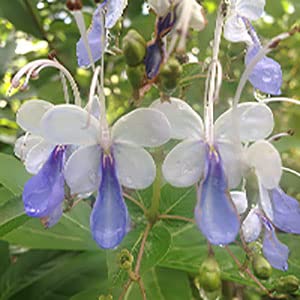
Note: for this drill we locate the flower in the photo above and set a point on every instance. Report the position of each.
(94, 38)
(267, 74)
(43, 193)
(219, 165)
(107, 159)
(175, 18)
(235, 28)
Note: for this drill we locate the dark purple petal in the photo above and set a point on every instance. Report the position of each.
(45, 191)
(109, 219)
(215, 213)
(165, 24)
(266, 75)
(274, 251)
(154, 58)
(95, 33)
(286, 212)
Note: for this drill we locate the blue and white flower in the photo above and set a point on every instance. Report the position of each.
(106, 160)
(218, 166)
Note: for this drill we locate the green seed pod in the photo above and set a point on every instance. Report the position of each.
(210, 275)
(287, 284)
(134, 48)
(170, 74)
(261, 267)
(136, 76)
(125, 260)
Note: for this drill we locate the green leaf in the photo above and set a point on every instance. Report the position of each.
(4, 256)
(71, 233)
(5, 195)
(12, 215)
(23, 15)
(12, 174)
(162, 284)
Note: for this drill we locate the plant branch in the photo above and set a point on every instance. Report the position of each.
(248, 271)
(136, 202)
(174, 217)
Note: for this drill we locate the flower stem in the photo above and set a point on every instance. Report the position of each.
(214, 79)
(178, 218)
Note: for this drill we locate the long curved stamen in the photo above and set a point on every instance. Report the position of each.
(35, 67)
(280, 99)
(291, 171)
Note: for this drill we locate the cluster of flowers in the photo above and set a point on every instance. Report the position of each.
(67, 145)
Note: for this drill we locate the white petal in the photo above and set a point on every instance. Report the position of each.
(70, 124)
(24, 144)
(252, 10)
(184, 121)
(160, 7)
(198, 20)
(94, 107)
(135, 166)
(265, 159)
(265, 201)
(184, 165)
(37, 156)
(240, 201)
(255, 122)
(232, 162)
(114, 12)
(235, 30)
(251, 226)
(30, 113)
(82, 170)
(144, 126)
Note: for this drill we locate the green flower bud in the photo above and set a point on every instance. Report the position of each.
(261, 267)
(210, 275)
(287, 284)
(134, 48)
(170, 74)
(125, 259)
(136, 76)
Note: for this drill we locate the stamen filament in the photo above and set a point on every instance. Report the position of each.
(291, 171)
(281, 99)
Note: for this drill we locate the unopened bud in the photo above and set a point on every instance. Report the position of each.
(170, 74)
(74, 5)
(136, 76)
(261, 267)
(287, 284)
(134, 48)
(125, 259)
(210, 275)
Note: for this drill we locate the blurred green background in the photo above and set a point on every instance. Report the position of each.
(70, 266)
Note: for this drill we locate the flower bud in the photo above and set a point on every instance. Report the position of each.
(287, 284)
(125, 259)
(170, 74)
(210, 275)
(134, 48)
(136, 75)
(261, 267)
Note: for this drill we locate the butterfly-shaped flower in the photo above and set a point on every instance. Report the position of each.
(44, 193)
(107, 159)
(105, 17)
(219, 166)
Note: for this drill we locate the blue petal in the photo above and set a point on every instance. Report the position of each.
(45, 191)
(266, 75)
(115, 10)
(165, 24)
(154, 58)
(286, 212)
(274, 251)
(109, 218)
(94, 34)
(215, 213)
(54, 216)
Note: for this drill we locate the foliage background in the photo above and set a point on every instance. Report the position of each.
(64, 262)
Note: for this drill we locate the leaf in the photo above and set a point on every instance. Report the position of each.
(12, 174)
(4, 256)
(162, 284)
(12, 215)
(22, 14)
(5, 195)
(71, 233)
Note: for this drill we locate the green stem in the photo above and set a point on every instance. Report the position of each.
(153, 211)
